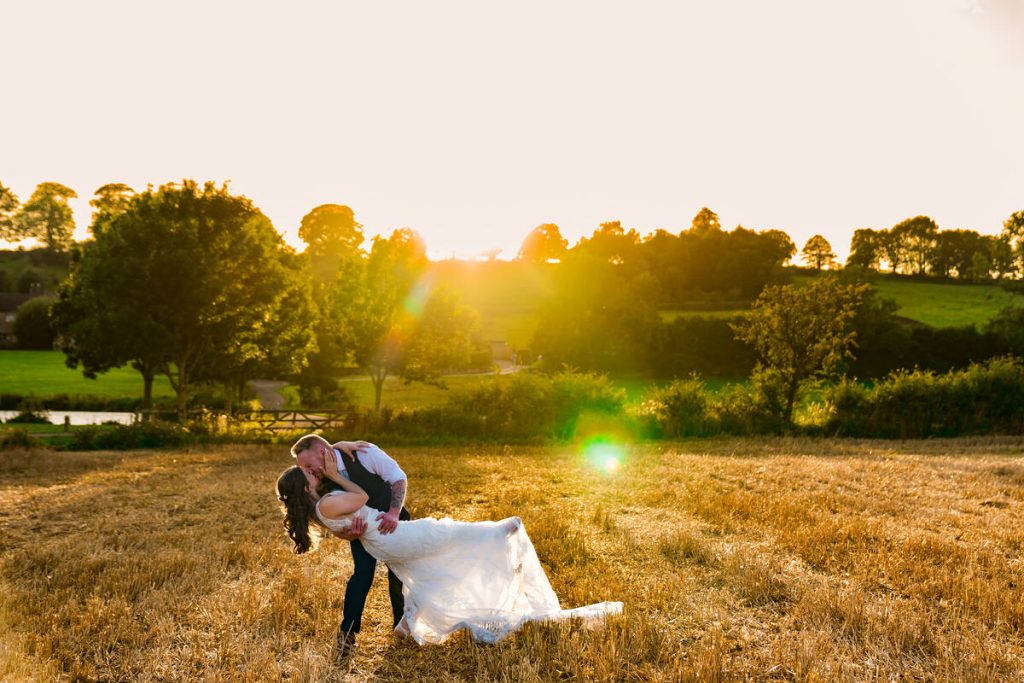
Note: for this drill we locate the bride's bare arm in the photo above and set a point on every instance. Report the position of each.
(335, 507)
(353, 498)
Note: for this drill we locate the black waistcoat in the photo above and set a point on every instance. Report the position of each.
(376, 488)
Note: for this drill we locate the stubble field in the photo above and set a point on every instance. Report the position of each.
(736, 560)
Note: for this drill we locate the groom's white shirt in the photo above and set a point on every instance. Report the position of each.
(374, 460)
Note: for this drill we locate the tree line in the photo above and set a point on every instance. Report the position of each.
(193, 282)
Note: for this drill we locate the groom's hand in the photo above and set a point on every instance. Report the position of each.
(387, 521)
(349, 448)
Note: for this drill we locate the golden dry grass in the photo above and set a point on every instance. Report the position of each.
(736, 560)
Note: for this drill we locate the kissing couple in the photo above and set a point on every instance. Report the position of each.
(443, 575)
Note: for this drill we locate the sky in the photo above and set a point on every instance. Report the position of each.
(474, 122)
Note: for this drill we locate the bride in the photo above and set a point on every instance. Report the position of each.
(481, 576)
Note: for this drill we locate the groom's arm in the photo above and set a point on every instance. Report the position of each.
(389, 520)
(384, 466)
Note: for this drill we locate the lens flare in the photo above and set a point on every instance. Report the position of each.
(603, 454)
(416, 301)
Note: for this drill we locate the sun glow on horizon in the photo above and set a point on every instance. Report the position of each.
(801, 116)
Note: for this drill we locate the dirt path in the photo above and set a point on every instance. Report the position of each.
(267, 392)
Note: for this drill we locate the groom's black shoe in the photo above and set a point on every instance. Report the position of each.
(346, 643)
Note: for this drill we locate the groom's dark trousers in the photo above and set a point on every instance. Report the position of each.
(359, 586)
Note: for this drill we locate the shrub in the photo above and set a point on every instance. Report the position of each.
(16, 438)
(126, 437)
(680, 409)
(29, 416)
(512, 407)
(846, 403)
(984, 398)
(32, 326)
(743, 410)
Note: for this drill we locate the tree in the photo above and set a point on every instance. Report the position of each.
(32, 327)
(610, 242)
(955, 251)
(783, 243)
(891, 249)
(173, 284)
(1013, 234)
(442, 338)
(799, 334)
(817, 252)
(332, 235)
(401, 325)
(865, 249)
(334, 258)
(47, 217)
(545, 242)
(600, 316)
(108, 201)
(916, 238)
(1000, 255)
(8, 212)
(278, 348)
(705, 220)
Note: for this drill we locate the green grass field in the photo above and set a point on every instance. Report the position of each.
(945, 304)
(43, 373)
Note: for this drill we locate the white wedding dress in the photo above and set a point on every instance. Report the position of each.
(481, 576)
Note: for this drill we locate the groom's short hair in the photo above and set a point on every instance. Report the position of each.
(308, 441)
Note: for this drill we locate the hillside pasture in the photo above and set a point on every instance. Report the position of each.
(946, 304)
(43, 373)
(771, 560)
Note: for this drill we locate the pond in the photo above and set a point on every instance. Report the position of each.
(78, 417)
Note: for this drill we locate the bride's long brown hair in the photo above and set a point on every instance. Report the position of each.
(299, 508)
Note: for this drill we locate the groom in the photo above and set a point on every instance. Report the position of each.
(386, 484)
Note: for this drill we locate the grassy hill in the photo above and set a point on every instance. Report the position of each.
(938, 304)
(946, 304)
(43, 373)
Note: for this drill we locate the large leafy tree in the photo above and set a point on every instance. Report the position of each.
(334, 261)
(402, 326)
(109, 201)
(783, 248)
(916, 238)
(545, 242)
(1013, 234)
(279, 347)
(865, 249)
(386, 302)
(600, 316)
(8, 212)
(706, 219)
(956, 251)
(333, 237)
(799, 334)
(174, 284)
(817, 252)
(48, 217)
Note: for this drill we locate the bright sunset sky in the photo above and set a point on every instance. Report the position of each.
(473, 122)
